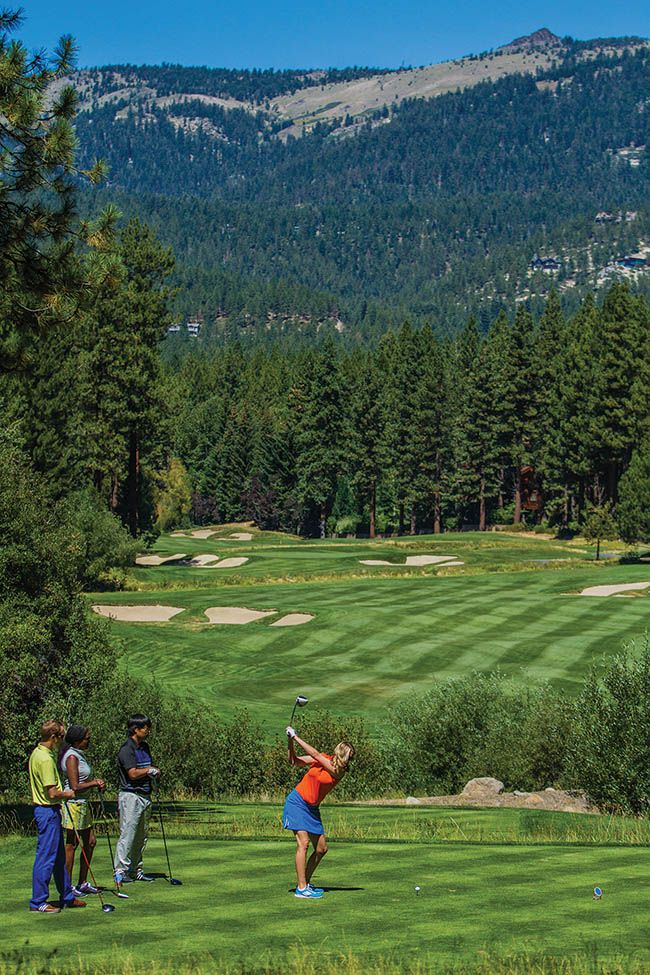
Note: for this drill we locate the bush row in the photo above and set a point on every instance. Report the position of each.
(529, 737)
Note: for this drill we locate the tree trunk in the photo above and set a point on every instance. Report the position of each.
(597, 550)
(612, 482)
(437, 514)
(502, 477)
(414, 520)
(517, 518)
(481, 507)
(400, 527)
(133, 485)
(323, 519)
(566, 509)
(373, 510)
(115, 493)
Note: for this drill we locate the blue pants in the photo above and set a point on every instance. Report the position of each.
(50, 857)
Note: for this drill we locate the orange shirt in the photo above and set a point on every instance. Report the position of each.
(316, 783)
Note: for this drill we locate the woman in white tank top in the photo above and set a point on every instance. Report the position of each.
(77, 816)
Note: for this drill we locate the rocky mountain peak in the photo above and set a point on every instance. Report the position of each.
(541, 38)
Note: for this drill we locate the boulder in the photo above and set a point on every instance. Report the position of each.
(482, 788)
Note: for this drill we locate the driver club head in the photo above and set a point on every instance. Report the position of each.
(175, 882)
(301, 701)
(108, 908)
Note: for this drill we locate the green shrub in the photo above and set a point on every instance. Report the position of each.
(198, 752)
(100, 542)
(474, 726)
(609, 750)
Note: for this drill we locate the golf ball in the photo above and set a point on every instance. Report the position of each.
(417, 889)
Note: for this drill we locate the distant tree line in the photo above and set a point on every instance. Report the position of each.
(536, 421)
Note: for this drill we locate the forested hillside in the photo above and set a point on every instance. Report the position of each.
(429, 209)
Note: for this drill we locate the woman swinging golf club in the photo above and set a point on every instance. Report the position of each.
(301, 808)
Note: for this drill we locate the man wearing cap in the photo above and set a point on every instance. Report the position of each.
(47, 795)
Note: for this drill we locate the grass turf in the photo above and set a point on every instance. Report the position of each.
(236, 900)
(377, 635)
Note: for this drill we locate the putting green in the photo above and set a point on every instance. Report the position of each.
(374, 638)
(236, 903)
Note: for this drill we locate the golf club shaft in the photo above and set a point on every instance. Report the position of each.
(162, 830)
(83, 854)
(107, 832)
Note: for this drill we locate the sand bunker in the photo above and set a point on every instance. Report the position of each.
(230, 563)
(416, 560)
(242, 536)
(138, 614)
(236, 614)
(158, 559)
(293, 619)
(202, 560)
(198, 533)
(614, 590)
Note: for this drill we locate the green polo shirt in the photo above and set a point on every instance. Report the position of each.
(42, 774)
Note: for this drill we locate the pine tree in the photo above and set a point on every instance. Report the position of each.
(320, 425)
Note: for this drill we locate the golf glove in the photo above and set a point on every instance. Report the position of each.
(290, 732)
(153, 773)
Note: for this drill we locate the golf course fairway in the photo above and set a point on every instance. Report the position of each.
(376, 634)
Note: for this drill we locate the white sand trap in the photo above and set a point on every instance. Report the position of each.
(202, 560)
(236, 614)
(428, 559)
(230, 563)
(416, 560)
(614, 590)
(242, 536)
(446, 564)
(138, 614)
(198, 533)
(158, 559)
(294, 619)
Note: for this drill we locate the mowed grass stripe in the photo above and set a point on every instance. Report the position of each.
(236, 903)
(374, 640)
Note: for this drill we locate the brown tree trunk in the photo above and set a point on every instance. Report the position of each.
(517, 518)
(437, 514)
(481, 507)
(133, 485)
(612, 482)
(115, 492)
(373, 510)
(400, 527)
(414, 520)
(501, 499)
(323, 519)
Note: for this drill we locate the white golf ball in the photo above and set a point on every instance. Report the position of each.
(417, 889)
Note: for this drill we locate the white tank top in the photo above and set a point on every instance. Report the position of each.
(85, 769)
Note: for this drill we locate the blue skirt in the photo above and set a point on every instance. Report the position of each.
(298, 814)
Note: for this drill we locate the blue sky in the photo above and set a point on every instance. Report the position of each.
(329, 33)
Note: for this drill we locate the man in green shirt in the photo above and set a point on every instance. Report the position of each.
(47, 795)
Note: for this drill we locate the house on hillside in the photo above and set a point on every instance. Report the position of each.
(547, 264)
(632, 261)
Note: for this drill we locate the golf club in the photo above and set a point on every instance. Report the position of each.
(116, 892)
(174, 882)
(106, 908)
(300, 702)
